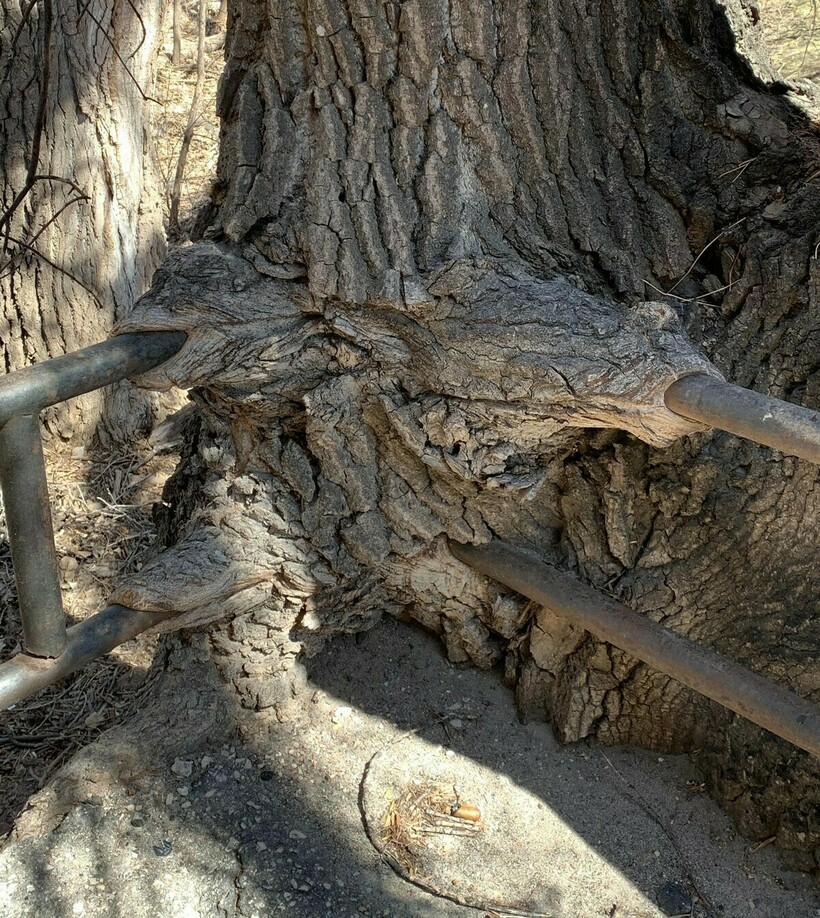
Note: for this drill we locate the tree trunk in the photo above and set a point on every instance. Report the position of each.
(221, 18)
(176, 30)
(80, 208)
(423, 313)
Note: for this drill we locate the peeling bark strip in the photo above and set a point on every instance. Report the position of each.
(431, 239)
(82, 245)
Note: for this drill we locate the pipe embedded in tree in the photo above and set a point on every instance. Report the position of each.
(24, 675)
(25, 495)
(735, 687)
(29, 390)
(790, 428)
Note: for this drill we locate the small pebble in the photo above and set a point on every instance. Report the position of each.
(674, 899)
(138, 822)
(164, 848)
(296, 835)
(183, 767)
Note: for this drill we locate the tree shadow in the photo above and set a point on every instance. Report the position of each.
(197, 801)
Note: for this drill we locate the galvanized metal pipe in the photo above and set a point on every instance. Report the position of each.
(31, 389)
(790, 428)
(24, 675)
(31, 536)
(742, 691)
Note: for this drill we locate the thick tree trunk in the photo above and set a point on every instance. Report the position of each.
(80, 246)
(438, 225)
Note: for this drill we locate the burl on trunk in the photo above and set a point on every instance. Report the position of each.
(423, 308)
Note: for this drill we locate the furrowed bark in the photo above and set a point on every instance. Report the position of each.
(81, 246)
(431, 313)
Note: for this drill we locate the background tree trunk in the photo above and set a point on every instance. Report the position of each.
(83, 243)
(437, 225)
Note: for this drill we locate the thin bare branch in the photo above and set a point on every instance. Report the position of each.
(193, 117)
(23, 20)
(64, 181)
(113, 45)
(4, 269)
(39, 121)
(142, 28)
(64, 271)
(176, 28)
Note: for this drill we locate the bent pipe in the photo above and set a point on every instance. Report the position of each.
(24, 675)
(29, 390)
(23, 394)
(735, 687)
(790, 428)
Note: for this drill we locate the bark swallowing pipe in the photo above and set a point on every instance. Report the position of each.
(790, 428)
(735, 687)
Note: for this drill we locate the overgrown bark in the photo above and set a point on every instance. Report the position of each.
(81, 245)
(438, 228)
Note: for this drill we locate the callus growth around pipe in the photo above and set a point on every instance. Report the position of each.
(789, 428)
(742, 691)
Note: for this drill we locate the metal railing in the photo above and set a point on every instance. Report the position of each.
(735, 687)
(50, 651)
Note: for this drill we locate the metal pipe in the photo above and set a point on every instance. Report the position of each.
(790, 428)
(31, 536)
(742, 691)
(24, 675)
(31, 389)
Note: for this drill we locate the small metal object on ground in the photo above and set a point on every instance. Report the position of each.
(23, 394)
(790, 428)
(735, 687)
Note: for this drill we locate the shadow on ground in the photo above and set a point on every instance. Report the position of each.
(198, 808)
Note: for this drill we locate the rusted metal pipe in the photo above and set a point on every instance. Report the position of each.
(24, 675)
(29, 390)
(790, 428)
(735, 687)
(31, 536)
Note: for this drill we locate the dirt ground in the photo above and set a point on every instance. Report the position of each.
(217, 811)
(220, 812)
(792, 29)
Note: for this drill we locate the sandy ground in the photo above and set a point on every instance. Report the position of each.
(792, 29)
(216, 811)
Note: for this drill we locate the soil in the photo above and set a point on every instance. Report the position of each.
(201, 808)
(792, 32)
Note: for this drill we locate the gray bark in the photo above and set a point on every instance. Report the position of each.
(430, 313)
(75, 257)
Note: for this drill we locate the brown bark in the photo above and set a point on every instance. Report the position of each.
(439, 226)
(80, 247)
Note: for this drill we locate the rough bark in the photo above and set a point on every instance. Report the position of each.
(82, 245)
(438, 228)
